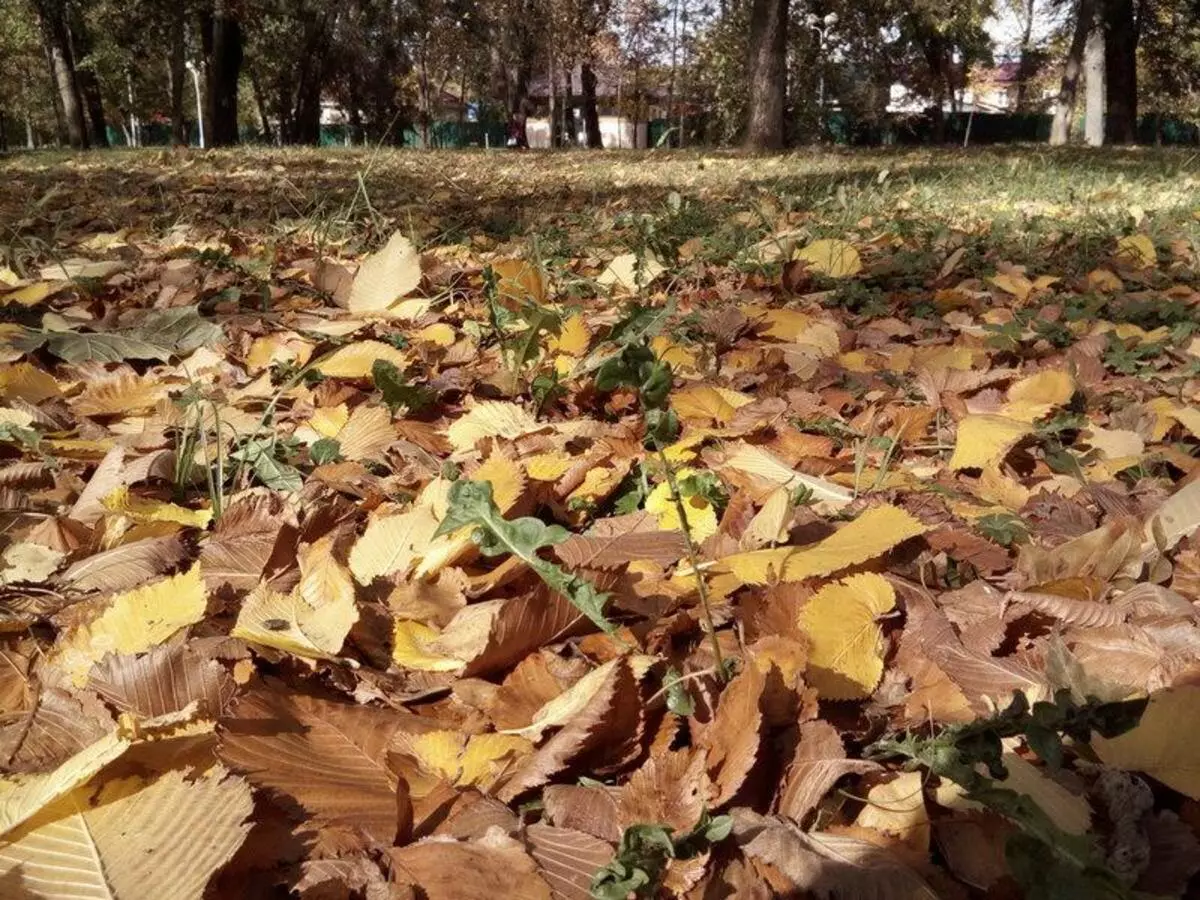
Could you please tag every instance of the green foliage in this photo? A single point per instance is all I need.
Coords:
(644, 851)
(159, 334)
(1005, 529)
(395, 389)
(679, 701)
(1047, 861)
(262, 455)
(472, 503)
(325, 450)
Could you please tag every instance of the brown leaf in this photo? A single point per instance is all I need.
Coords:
(328, 757)
(600, 731)
(237, 552)
(820, 761)
(108, 476)
(976, 674)
(624, 539)
(59, 726)
(341, 879)
(481, 870)
(163, 681)
(126, 565)
(825, 864)
(732, 740)
(567, 859)
(671, 790)
(592, 810)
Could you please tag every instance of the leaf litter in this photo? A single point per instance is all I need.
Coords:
(454, 569)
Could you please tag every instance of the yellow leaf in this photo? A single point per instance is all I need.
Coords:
(898, 808)
(675, 355)
(598, 483)
(628, 273)
(508, 484)
(1017, 285)
(17, 417)
(280, 347)
(935, 359)
(701, 517)
(439, 333)
(1163, 745)
(117, 394)
(702, 403)
(519, 280)
(33, 294)
(392, 544)
(465, 761)
(491, 418)
(873, 533)
(132, 623)
(356, 360)
(325, 422)
(829, 256)
(1034, 396)
(985, 440)
(27, 382)
(1137, 251)
(289, 622)
(845, 660)
(410, 648)
(23, 797)
(159, 838)
(785, 324)
(367, 434)
(506, 477)
(573, 338)
(548, 466)
(386, 276)
(142, 511)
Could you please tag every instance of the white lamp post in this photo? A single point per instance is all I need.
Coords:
(821, 27)
(191, 66)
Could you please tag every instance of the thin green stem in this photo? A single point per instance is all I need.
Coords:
(693, 557)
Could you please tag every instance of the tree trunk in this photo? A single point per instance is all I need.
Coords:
(260, 103)
(1120, 71)
(591, 115)
(1025, 64)
(178, 64)
(1060, 129)
(223, 47)
(56, 37)
(89, 85)
(552, 90)
(767, 74)
(1093, 73)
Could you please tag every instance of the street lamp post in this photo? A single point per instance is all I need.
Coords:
(191, 66)
(822, 28)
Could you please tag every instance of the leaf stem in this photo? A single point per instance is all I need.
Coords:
(693, 557)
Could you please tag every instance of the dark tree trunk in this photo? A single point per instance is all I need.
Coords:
(57, 39)
(1068, 91)
(89, 85)
(1120, 71)
(591, 115)
(768, 74)
(178, 61)
(223, 49)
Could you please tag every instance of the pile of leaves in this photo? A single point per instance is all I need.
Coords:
(454, 574)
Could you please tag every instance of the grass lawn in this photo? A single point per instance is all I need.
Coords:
(436, 492)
